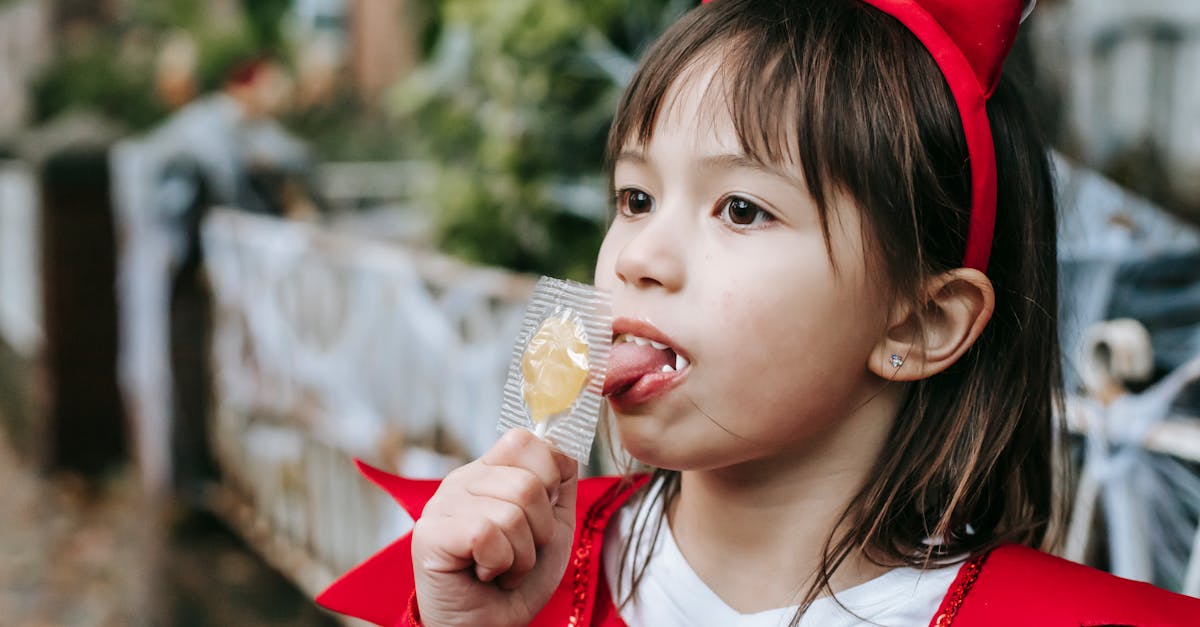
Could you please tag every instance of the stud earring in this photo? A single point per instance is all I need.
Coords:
(897, 361)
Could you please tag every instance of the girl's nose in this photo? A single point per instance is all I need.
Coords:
(654, 255)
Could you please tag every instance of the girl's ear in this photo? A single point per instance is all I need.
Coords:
(955, 307)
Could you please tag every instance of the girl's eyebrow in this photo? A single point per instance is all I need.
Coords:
(731, 161)
(739, 161)
(635, 156)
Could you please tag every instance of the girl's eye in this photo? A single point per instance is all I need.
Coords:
(632, 202)
(741, 212)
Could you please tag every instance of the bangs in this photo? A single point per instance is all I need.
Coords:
(761, 66)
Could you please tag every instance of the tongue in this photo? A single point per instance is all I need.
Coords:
(628, 362)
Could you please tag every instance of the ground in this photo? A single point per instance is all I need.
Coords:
(78, 553)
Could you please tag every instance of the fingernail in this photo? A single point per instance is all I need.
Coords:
(553, 496)
(485, 574)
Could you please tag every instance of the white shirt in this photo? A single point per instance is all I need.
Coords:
(671, 593)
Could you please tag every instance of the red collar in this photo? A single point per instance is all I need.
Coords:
(1011, 585)
(378, 590)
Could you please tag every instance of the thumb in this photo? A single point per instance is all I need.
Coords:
(568, 486)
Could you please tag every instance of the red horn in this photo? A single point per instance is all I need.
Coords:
(969, 40)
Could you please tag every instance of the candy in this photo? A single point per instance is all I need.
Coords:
(555, 367)
(560, 357)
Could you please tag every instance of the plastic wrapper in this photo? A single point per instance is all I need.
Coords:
(557, 370)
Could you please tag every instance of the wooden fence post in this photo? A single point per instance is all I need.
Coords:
(84, 426)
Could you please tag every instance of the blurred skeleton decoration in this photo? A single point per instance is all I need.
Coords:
(1150, 500)
(221, 149)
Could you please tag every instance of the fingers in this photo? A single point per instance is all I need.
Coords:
(522, 490)
(446, 544)
(557, 472)
(492, 517)
(492, 552)
(497, 542)
(522, 449)
(512, 552)
(564, 501)
(568, 468)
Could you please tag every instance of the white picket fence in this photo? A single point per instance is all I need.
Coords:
(21, 325)
(328, 346)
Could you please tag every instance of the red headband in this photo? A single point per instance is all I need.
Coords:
(969, 41)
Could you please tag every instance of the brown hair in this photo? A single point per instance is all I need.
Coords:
(850, 95)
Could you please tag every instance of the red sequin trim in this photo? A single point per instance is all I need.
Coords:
(581, 560)
(412, 618)
(958, 592)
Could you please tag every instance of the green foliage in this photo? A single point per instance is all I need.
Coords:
(168, 14)
(263, 18)
(220, 51)
(111, 70)
(513, 109)
(346, 130)
(88, 77)
(221, 45)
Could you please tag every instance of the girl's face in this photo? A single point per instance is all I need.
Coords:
(724, 260)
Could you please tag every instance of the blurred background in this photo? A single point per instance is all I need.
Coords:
(243, 241)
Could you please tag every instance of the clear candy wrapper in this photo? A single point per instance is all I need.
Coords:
(557, 370)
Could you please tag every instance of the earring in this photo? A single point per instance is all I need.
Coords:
(897, 361)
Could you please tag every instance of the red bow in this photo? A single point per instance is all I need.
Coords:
(969, 41)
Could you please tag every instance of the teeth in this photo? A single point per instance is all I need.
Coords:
(680, 362)
(667, 368)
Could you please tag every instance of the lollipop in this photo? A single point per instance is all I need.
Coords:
(554, 367)
(557, 370)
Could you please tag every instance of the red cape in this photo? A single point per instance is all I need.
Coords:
(1011, 585)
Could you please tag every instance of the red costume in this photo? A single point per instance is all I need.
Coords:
(1010, 586)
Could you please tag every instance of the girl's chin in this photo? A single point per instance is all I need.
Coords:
(639, 441)
(646, 444)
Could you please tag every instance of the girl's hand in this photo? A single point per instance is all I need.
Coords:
(492, 544)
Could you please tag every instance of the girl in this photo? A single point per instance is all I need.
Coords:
(839, 220)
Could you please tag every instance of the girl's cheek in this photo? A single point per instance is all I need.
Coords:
(729, 307)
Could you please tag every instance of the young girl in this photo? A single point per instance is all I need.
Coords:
(838, 219)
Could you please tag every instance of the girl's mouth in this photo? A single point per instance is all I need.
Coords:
(642, 365)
